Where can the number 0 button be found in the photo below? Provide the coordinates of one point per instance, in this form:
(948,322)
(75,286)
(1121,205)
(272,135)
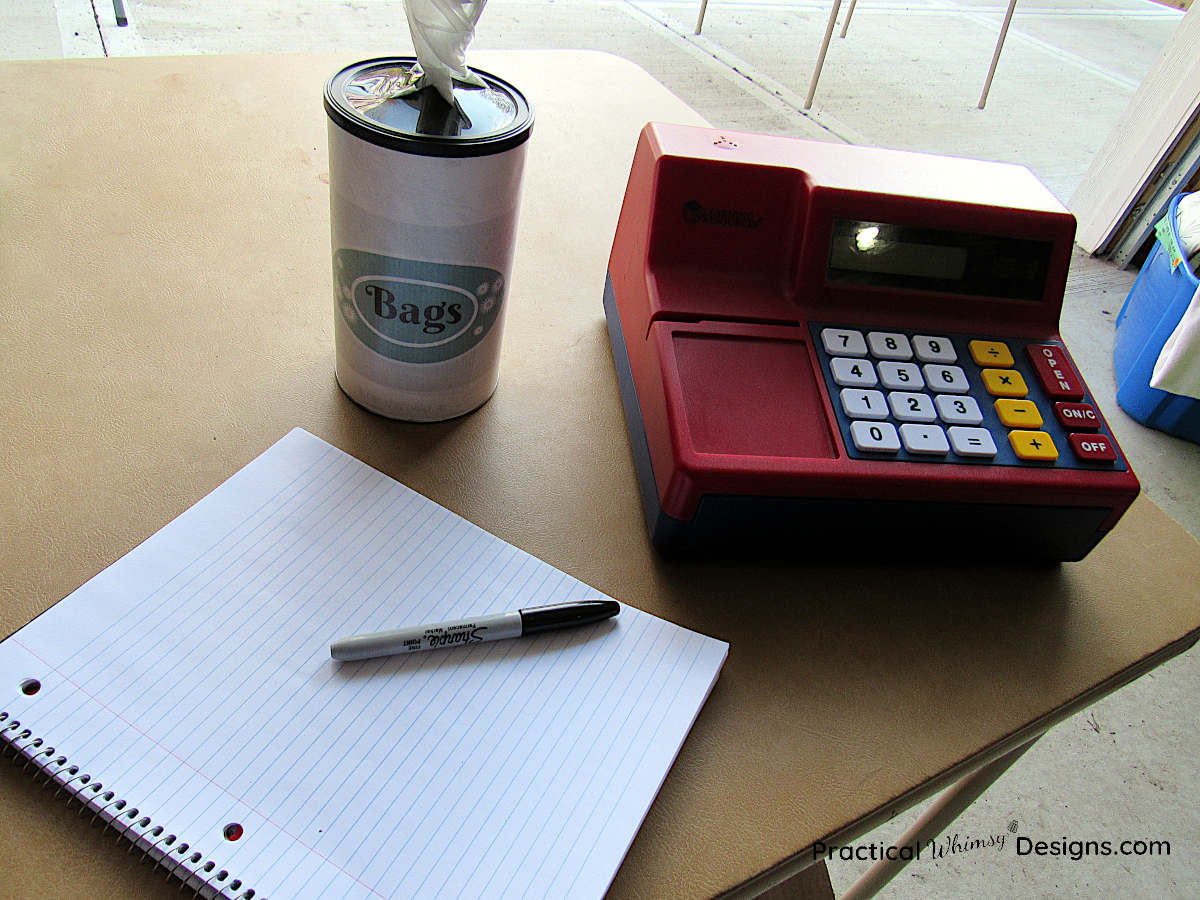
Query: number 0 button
(875,437)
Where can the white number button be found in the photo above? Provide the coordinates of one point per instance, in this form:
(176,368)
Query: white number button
(928,439)
(898,376)
(860,404)
(972,442)
(843,342)
(908,407)
(875,437)
(951,379)
(853,372)
(958,410)
(933,349)
(889,345)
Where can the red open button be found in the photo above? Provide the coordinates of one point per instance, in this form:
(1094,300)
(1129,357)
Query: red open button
(1077,416)
(1057,375)
(1092,447)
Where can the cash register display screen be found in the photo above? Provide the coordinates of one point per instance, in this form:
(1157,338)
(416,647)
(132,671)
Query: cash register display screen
(880,254)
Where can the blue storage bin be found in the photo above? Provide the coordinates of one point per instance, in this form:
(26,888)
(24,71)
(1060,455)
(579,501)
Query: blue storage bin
(1153,308)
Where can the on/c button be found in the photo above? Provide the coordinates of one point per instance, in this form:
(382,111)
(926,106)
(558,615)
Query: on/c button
(1077,416)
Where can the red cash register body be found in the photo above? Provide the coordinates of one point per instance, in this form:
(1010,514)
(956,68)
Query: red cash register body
(728,280)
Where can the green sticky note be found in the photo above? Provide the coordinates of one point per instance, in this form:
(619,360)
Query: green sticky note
(1166,237)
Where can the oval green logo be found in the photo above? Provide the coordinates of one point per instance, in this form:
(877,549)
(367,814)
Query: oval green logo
(416,311)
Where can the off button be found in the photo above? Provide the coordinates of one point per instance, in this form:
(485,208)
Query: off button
(1092,447)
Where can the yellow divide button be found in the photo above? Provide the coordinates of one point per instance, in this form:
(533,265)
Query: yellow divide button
(990,353)
(1033,445)
(1018,413)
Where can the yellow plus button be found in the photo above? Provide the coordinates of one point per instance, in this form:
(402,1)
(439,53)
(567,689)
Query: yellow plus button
(1004,382)
(990,353)
(1034,445)
(1018,413)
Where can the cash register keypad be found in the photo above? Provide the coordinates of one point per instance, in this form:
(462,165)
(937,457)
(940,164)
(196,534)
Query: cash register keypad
(960,398)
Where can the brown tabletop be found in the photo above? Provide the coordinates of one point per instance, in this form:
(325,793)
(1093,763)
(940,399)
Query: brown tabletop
(166,314)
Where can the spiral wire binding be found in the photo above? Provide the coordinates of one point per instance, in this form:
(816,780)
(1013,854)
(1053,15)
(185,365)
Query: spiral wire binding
(204,876)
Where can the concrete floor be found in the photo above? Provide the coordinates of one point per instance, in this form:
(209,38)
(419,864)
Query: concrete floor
(908,75)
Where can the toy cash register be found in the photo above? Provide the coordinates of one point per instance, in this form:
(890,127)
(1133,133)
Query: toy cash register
(828,348)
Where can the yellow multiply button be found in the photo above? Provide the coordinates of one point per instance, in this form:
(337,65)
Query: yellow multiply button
(990,353)
(1004,382)
(1036,445)
(1018,413)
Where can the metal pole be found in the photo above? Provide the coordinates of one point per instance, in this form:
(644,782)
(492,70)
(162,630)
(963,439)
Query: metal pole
(944,810)
(849,13)
(987,85)
(812,85)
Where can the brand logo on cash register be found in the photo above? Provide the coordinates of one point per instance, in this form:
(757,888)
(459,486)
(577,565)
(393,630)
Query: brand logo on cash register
(416,311)
(695,213)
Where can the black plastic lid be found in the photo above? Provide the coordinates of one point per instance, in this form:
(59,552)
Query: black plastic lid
(488,119)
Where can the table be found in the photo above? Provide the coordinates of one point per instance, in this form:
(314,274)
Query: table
(165,315)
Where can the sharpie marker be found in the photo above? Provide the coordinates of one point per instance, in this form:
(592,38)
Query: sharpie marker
(498,627)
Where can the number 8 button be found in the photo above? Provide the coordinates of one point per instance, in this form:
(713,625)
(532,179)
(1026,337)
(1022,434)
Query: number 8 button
(889,345)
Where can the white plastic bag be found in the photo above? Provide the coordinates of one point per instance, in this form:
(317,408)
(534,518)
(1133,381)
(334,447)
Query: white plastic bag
(441,31)
(1187,224)
(1177,369)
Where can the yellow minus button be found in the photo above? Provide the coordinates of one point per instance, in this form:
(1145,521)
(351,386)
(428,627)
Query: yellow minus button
(1033,445)
(990,353)
(1018,413)
(1004,382)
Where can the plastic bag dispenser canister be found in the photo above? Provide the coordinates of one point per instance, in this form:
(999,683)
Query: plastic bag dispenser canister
(423,204)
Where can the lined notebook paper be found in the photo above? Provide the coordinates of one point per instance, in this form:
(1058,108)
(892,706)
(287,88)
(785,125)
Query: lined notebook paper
(187,694)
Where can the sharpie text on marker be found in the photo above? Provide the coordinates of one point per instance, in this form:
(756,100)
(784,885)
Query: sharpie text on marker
(497,627)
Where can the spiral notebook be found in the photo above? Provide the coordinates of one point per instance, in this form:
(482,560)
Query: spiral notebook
(187,697)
